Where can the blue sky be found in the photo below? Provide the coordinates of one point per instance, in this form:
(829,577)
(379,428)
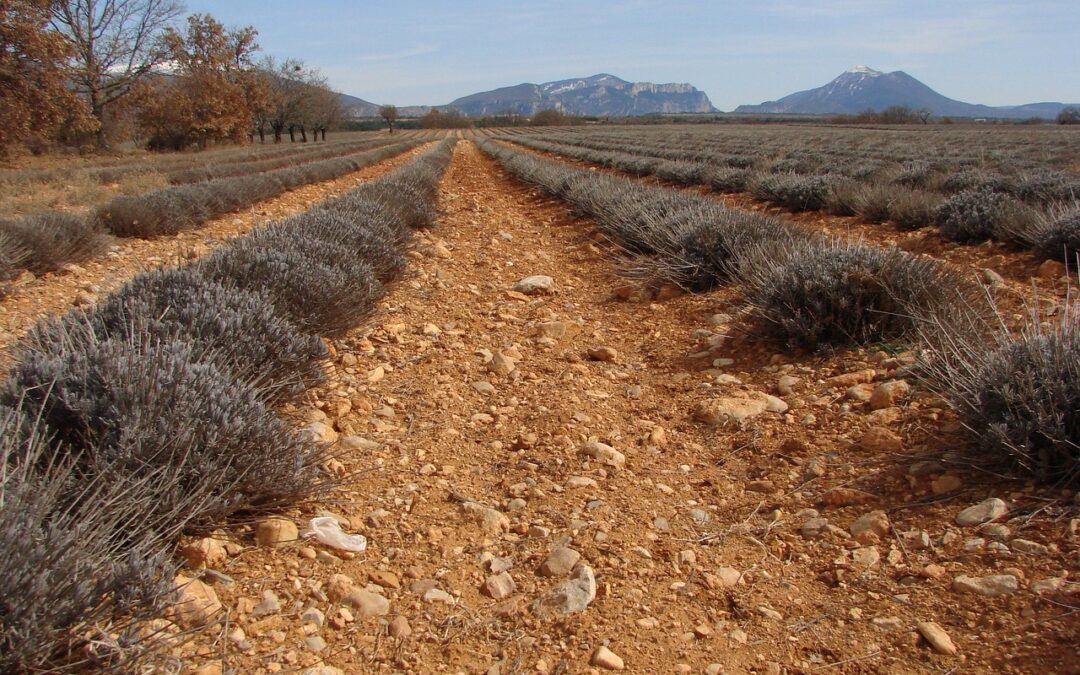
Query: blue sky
(409,52)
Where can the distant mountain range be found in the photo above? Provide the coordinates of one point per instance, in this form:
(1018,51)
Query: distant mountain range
(863,88)
(604,95)
(601,95)
(358,107)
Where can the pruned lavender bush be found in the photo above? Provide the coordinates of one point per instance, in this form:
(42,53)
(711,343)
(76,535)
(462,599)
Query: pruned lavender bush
(1056,236)
(981,214)
(182,207)
(792,191)
(411,205)
(12,255)
(727,179)
(1046,187)
(977,179)
(46,242)
(150,415)
(847,198)
(861,169)
(816,294)
(409,194)
(1017,394)
(132,406)
(874,203)
(919,174)
(659,234)
(238,330)
(318,296)
(789,165)
(913,209)
(706,246)
(81,569)
(684,173)
(363,228)
(246,166)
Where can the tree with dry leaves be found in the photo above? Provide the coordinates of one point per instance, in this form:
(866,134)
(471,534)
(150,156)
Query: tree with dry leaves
(214,91)
(389,113)
(300,101)
(115,44)
(320,108)
(34,96)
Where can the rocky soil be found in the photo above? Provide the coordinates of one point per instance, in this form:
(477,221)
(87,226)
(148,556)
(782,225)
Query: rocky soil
(559,473)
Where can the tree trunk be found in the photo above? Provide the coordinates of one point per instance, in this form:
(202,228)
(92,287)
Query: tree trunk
(97,109)
(303,134)
(292,134)
(262,135)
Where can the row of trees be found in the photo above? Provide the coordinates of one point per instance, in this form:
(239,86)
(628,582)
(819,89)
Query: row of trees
(453,119)
(109,70)
(896,114)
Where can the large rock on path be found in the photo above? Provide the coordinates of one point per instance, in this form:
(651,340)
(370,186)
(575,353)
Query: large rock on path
(536,284)
(985,511)
(570,596)
(737,409)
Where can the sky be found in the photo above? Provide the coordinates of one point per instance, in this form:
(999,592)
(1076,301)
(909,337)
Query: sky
(409,52)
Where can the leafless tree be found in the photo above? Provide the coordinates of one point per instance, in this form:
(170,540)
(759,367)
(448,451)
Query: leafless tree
(115,43)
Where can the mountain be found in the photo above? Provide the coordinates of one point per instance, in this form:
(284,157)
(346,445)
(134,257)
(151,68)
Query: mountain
(603,94)
(358,107)
(863,88)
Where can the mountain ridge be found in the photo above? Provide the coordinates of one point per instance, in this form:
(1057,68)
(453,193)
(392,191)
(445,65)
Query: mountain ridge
(602,94)
(862,88)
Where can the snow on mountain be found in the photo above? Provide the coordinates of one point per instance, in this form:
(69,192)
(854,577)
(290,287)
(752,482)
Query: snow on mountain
(863,88)
(603,94)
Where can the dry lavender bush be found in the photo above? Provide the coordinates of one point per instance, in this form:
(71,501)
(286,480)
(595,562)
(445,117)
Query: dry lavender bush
(182,207)
(1017,393)
(820,293)
(46,242)
(153,414)
(901,176)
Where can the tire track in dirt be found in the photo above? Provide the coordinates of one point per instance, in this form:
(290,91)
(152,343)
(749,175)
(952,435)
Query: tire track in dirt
(694,542)
(82,284)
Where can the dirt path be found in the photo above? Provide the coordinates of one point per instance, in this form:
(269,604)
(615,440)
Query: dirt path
(706,544)
(82,284)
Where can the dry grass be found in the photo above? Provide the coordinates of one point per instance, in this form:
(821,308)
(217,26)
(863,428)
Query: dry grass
(77,193)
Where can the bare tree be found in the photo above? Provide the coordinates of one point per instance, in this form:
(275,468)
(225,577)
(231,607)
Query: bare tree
(924,114)
(390,114)
(115,44)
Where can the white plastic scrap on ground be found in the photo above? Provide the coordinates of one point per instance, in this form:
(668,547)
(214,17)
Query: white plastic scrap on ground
(327,531)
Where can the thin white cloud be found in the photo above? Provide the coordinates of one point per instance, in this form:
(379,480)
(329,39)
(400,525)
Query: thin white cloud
(419,50)
(829,8)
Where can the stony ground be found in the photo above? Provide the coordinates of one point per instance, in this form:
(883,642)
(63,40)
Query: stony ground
(569,475)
